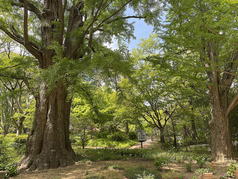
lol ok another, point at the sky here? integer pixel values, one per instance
(142, 30)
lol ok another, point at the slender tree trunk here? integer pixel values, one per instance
(127, 127)
(194, 134)
(5, 129)
(221, 143)
(48, 144)
(162, 140)
(175, 139)
(20, 125)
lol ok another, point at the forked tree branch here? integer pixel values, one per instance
(31, 7)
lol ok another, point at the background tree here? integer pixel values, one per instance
(14, 91)
(201, 34)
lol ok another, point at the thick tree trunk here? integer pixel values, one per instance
(48, 144)
(221, 143)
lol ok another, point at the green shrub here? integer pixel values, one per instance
(103, 134)
(115, 154)
(132, 135)
(160, 161)
(133, 173)
(4, 158)
(118, 136)
(11, 135)
(144, 176)
(11, 170)
(201, 160)
(21, 139)
(188, 166)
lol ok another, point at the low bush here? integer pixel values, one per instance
(102, 135)
(115, 154)
(160, 161)
(11, 170)
(134, 173)
(118, 136)
(132, 135)
(188, 166)
(201, 160)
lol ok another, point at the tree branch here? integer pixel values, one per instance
(86, 31)
(120, 18)
(232, 105)
(31, 7)
(99, 25)
(28, 46)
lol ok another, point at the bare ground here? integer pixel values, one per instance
(83, 170)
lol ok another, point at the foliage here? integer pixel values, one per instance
(108, 143)
(201, 160)
(115, 154)
(209, 169)
(118, 136)
(11, 170)
(116, 167)
(132, 135)
(233, 165)
(133, 173)
(188, 166)
(103, 134)
(144, 176)
(19, 141)
(160, 161)
(196, 38)
(224, 176)
(4, 158)
(200, 171)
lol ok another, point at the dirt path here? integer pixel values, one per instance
(145, 144)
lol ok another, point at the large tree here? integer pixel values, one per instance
(66, 37)
(202, 35)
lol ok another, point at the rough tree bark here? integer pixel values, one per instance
(48, 144)
(162, 139)
(219, 86)
(221, 141)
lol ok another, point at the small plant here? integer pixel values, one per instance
(188, 166)
(194, 177)
(224, 176)
(159, 162)
(133, 173)
(211, 167)
(145, 176)
(11, 170)
(233, 165)
(200, 161)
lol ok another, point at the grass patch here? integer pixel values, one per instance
(115, 154)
